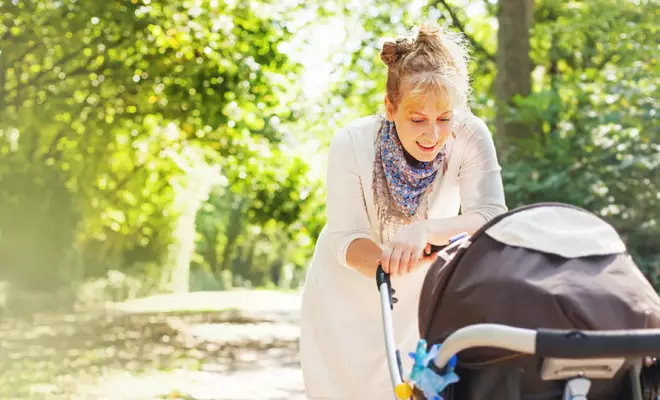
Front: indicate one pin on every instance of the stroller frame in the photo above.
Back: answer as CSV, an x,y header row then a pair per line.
x,y
575,356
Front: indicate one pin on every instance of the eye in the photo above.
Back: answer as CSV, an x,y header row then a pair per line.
x,y
445,119
417,121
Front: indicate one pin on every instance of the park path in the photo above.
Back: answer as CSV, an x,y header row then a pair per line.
x,y
261,331
234,345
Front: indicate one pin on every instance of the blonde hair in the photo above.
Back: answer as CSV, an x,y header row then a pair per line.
x,y
427,58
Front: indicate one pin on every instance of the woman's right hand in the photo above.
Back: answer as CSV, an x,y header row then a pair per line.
x,y
407,250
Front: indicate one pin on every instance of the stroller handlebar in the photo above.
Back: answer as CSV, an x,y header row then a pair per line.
x,y
387,301
486,335
597,344
571,344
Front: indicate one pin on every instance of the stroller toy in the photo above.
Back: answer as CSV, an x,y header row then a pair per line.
x,y
425,376
542,302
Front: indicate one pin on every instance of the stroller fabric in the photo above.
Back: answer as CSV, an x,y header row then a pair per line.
x,y
541,266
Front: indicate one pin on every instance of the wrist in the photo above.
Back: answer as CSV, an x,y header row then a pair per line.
x,y
436,231
430,229
441,230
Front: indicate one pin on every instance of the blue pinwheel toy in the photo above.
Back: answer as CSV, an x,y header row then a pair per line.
x,y
425,377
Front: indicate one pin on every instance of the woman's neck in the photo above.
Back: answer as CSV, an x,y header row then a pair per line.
x,y
412,161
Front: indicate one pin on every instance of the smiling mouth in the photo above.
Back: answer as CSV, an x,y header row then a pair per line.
x,y
427,147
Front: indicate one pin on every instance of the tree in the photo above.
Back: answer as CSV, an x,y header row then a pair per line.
x,y
573,96
595,142
514,67
100,102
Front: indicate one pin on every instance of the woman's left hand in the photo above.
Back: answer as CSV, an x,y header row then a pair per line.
x,y
407,250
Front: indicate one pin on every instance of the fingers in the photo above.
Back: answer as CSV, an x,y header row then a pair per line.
x,y
395,260
405,261
385,259
401,259
427,249
413,261
389,264
417,257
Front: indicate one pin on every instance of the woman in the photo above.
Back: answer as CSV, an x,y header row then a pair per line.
x,y
394,186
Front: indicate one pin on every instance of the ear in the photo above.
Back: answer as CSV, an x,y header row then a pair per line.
x,y
389,108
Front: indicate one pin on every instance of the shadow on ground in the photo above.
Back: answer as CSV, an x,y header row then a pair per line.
x,y
55,356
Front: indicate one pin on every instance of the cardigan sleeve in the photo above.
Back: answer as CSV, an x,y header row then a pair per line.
x,y
346,212
480,180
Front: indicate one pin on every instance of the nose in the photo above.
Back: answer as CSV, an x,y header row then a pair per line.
x,y
433,133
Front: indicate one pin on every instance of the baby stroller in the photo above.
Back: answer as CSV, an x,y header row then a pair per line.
x,y
543,302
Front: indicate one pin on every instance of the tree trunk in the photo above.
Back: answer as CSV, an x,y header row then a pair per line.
x,y
514,66
235,227
191,192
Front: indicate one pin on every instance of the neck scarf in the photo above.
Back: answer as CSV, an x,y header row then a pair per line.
x,y
408,184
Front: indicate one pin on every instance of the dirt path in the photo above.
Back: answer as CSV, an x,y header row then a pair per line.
x,y
212,346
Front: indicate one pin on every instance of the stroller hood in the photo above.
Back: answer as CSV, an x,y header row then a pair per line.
x,y
546,265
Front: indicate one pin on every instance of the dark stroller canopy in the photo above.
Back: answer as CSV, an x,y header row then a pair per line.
x,y
541,266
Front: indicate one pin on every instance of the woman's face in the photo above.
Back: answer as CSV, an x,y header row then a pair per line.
x,y
423,123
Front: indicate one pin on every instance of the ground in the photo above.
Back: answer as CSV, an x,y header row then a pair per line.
x,y
237,345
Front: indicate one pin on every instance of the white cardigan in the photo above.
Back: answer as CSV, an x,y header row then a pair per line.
x,y
342,346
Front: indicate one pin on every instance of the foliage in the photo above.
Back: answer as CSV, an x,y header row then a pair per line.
x,y
263,221
146,137
594,136
99,102
593,133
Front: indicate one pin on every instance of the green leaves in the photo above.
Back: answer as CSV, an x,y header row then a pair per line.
x,y
114,118
110,98
591,119
593,136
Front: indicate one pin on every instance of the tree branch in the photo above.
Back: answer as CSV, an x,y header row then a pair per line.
x,y
53,144
456,22
491,7
82,70
3,78
20,58
58,63
34,145
127,177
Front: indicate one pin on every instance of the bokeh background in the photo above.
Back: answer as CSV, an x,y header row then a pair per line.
x,y
162,167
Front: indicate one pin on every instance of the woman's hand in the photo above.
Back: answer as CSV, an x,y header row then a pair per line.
x,y
407,250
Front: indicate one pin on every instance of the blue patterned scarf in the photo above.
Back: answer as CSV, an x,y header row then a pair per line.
x,y
407,183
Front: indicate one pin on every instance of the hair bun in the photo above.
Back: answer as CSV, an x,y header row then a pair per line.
x,y
390,53
430,37
429,32
393,50
428,49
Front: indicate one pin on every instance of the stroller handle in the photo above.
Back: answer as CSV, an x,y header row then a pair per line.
x,y
486,335
571,344
387,301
